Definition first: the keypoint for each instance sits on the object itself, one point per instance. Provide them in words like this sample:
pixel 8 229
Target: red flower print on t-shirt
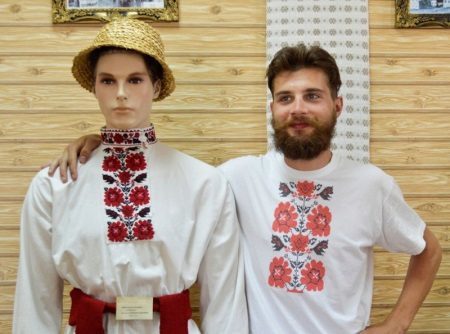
pixel 143 230
pixel 285 217
pixel 113 197
pixel 139 196
pixel 319 221
pixel 280 273
pixel 117 232
pixel 136 161
pixel 111 164
pixel 312 276
pixel 299 242
pixel 305 188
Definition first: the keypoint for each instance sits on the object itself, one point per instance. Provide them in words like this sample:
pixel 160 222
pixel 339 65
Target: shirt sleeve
pixel 221 274
pixel 38 298
pixel 402 229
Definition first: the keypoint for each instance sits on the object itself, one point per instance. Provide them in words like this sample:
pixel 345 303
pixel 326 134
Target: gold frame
pixel 404 19
pixel 61 14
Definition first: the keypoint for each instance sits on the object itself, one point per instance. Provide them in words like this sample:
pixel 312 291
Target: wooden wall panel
pixel 409 43
pixel 217 53
pixel 390 266
pixel 66 98
pixel 176 125
pixel 418 153
pixel 68 40
pixel 409 98
pixel 409 71
pixel 429 320
pixel 54 70
pixel 386 292
pixel 195 12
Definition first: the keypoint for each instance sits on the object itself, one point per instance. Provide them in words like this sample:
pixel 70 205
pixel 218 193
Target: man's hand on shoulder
pixel 80 149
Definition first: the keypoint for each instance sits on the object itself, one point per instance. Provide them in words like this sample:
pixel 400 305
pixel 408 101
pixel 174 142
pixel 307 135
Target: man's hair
pixel 294 58
pixel 154 68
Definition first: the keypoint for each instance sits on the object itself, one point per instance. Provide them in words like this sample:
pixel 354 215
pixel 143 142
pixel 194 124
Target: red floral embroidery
pixel 305 188
pixel 280 273
pixel 111 164
pixel 136 161
pixel 143 230
pixel 126 193
pixel 319 221
pixel 117 232
pixel 127 211
pixel 285 218
pixel 113 197
pixel 128 137
pixel 299 243
pixel 139 196
pixel 118 138
pixel 312 276
pixel 124 177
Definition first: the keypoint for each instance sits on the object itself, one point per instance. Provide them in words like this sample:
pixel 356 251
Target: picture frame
pixel 422 13
pixel 74 11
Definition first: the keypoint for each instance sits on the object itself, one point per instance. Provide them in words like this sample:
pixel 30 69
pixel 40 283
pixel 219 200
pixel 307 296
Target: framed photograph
pixel 422 13
pixel 65 11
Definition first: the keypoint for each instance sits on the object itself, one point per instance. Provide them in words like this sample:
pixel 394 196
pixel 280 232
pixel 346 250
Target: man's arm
pixel 81 150
pixel 419 279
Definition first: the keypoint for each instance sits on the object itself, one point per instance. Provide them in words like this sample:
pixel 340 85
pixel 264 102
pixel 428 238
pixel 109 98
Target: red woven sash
pixel 86 312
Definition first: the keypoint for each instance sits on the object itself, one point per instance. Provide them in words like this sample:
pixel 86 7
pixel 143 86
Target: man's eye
pixel 313 96
pixel 284 99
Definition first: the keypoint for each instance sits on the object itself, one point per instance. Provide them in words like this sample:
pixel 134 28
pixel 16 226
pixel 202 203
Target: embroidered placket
pixel 127 196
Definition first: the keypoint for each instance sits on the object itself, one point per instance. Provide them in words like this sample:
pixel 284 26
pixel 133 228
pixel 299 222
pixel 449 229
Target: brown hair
pixel 294 58
pixel 154 68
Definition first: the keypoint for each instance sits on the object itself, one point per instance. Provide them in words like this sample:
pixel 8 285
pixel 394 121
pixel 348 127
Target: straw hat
pixel 128 34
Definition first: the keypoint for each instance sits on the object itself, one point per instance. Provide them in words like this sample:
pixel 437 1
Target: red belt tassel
pixel 86 313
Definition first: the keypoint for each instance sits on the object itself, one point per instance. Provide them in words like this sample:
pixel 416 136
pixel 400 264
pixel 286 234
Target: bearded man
pixel 310 218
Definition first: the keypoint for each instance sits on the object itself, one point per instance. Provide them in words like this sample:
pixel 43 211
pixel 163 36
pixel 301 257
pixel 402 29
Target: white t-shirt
pixel 308 238
pixel 145 221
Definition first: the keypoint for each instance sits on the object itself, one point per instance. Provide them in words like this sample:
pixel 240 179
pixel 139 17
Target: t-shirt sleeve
pixel 401 227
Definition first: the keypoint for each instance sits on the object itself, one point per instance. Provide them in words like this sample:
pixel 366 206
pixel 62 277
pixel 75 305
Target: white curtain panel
pixel 342 28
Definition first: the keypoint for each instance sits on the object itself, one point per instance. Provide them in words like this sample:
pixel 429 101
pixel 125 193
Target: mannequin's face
pixel 124 90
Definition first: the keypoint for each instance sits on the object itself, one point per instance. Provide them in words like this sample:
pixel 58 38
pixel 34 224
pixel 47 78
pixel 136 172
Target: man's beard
pixel 301 146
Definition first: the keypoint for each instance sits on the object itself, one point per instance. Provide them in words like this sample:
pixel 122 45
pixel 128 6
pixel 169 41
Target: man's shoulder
pixel 173 158
pixel 363 172
pixel 241 165
pixel 244 161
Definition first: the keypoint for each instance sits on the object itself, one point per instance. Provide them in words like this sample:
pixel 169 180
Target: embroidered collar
pixel 128 137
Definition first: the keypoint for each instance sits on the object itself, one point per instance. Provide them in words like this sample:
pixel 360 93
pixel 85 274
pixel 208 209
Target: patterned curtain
pixel 341 27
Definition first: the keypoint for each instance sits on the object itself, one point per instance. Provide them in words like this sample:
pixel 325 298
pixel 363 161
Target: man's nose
pixel 299 106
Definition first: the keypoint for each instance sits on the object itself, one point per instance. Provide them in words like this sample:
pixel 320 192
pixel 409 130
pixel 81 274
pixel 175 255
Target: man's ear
pixel 339 105
pixel 156 89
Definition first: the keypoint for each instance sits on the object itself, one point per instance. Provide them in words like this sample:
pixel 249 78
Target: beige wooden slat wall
pixel 217 52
